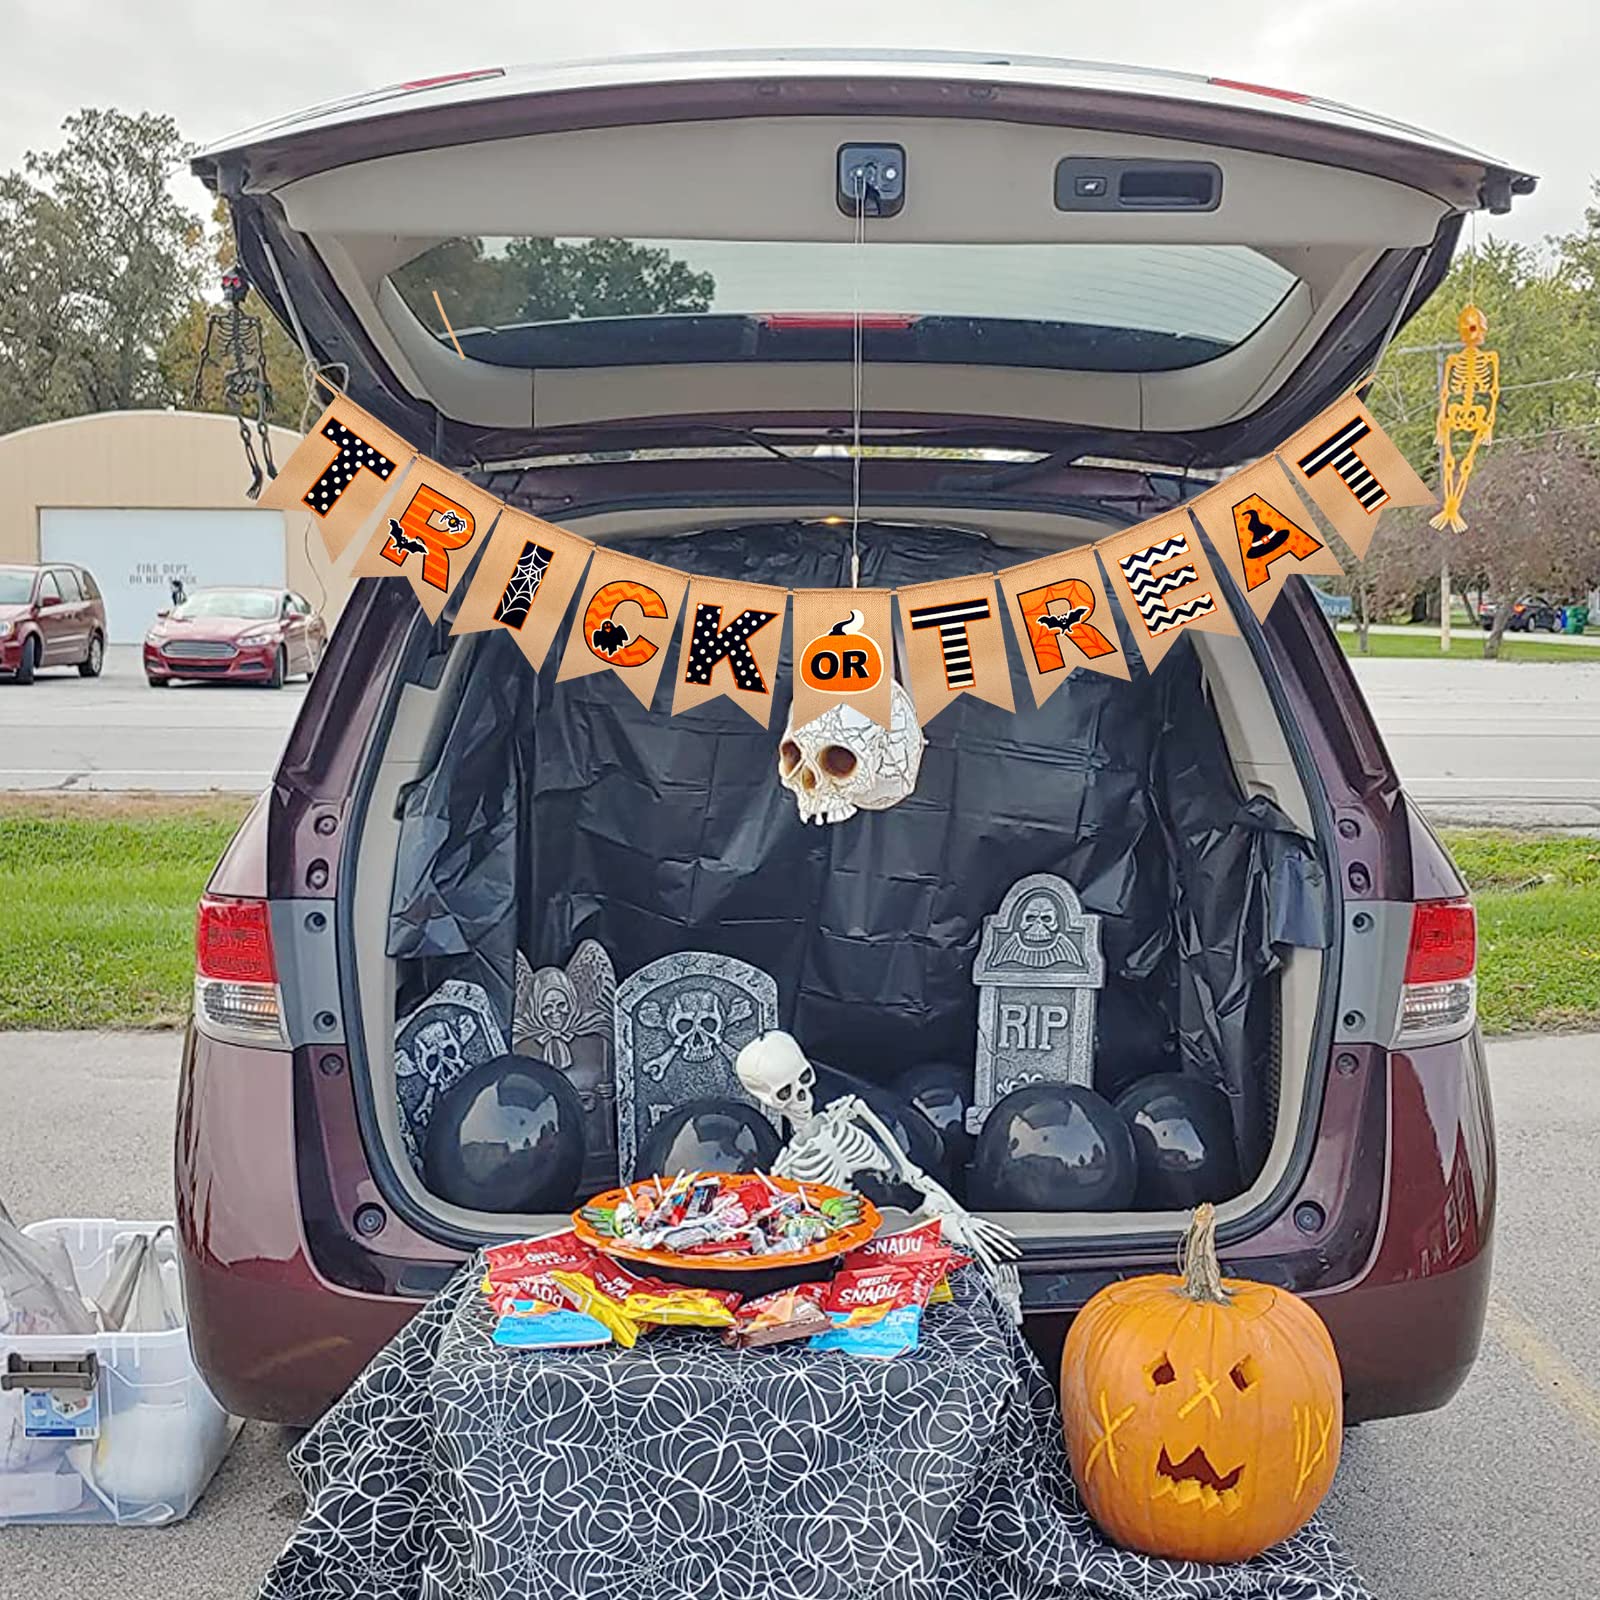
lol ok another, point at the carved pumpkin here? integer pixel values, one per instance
(1202, 1415)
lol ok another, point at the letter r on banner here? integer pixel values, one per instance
(431, 526)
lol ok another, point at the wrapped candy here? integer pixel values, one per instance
(794, 1313)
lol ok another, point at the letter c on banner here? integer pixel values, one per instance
(610, 639)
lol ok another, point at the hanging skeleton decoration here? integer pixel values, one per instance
(843, 762)
(1469, 396)
(846, 1137)
(242, 357)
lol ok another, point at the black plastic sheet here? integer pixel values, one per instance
(559, 812)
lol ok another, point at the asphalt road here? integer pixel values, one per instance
(1493, 1496)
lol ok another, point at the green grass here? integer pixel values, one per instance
(1538, 926)
(1466, 647)
(97, 904)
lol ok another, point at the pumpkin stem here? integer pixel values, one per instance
(1197, 1258)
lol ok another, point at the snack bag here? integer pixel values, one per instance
(524, 1258)
(895, 1333)
(794, 1313)
(538, 1289)
(549, 1330)
(584, 1290)
(864, 1294)
(672, 1305)
(916, 1246)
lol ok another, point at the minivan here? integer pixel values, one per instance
(628, 297)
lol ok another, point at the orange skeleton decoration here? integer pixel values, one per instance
(1469, 395)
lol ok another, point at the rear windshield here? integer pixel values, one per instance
(526, 301)
(16, 588)
(251, 605)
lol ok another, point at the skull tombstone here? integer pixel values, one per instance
(680, 1022)
(451, 1032)
(843, 762)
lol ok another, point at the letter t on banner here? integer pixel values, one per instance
(1165, 582)
(525, 580)
(954, 644)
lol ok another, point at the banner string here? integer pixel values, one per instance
(856, 363)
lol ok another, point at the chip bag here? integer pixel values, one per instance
(586, 1292)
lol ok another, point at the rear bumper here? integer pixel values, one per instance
(251, 664)
(288, 1298)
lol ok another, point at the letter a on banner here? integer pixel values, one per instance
(731, 639)
(1165, 582)
(625, 617)
(1263, 531)
(526, 578)
(1059, 607)
(341, 472)
(438, 523)
(1352, 469)
(843, 652)
(954, 644)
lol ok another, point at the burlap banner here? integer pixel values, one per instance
(1165, 582)
(525, 580)
(732, 635)
(1263, 531)
(954, 644)
(341, 472)
(843, 651)
(1063, 620)
(625, 621)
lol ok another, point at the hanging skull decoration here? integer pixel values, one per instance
(843, 762)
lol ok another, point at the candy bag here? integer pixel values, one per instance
(794, 1313)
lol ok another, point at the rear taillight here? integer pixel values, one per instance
(1439, 1000)
(236, 993)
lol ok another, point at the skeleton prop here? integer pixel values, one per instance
(846, 1137)
(843, 762)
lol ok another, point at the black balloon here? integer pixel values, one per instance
(942, 1092)
(914, 1133)
(708, 1136)
(1132, 1037)
(1053, 1147)
(506, 1137)
(1183, 1141)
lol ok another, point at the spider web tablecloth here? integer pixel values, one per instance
(452, 1468)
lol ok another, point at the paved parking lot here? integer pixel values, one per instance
(1494, 1496)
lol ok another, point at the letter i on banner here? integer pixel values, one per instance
(625, 617)
(525, 580)
(1059, 607)
(954, 644)
(1165, 582)
(731, 639)
(1352, 469)
(1263, 531)
(442, 518)
(341, 472)
(843, 652)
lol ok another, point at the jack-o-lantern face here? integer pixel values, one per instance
(1202, 1417)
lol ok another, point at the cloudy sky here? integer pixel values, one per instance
(1516, 81)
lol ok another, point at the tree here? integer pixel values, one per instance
(97, 262)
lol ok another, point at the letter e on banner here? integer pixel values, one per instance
(626, 614)
(1165, 582)
(1059, 607)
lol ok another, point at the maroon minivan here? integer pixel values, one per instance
(1078, 294)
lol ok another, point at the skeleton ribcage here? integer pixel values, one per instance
(832, 1151)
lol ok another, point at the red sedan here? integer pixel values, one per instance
(239, 635)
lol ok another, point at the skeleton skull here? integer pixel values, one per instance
(440, 1057)
(775, 1070)
(843, 762)
(1039, 923)
(695, 1022)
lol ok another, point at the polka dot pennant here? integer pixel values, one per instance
(731, 645)
(355, 455)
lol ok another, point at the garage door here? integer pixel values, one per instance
(135, 555)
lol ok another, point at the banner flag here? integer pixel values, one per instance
(1063, 619)
(431, 542)
(1352, 469)
(341, 472)
(1165, 582)
(525, 580)
(954, 644)
(625, 621)
(843, 652)
(731, 639)
(1263, 531)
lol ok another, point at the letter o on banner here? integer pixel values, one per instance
(842, 664)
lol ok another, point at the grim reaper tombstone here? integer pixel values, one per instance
(1038, 970)
(681, 1021)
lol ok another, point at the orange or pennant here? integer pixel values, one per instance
(431, 533)
(1352, 469)
(1165, 583)
(1063, 619)
(626, 613)
(341, 472)
(731, 638)
(1263, 531)
(843, 652)
(954, 644)
(525, 580)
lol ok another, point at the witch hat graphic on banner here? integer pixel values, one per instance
(1063, 619)
(843, 652)
(1263, 531)
(526, 578)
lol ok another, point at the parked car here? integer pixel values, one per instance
(236, 635)
(1335, 607)
(1039, 237)
(1528, 615)
(51, 616)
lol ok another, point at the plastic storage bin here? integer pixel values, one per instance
(160, 1435)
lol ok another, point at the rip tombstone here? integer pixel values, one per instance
(680, 1023)
(1038, 969)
